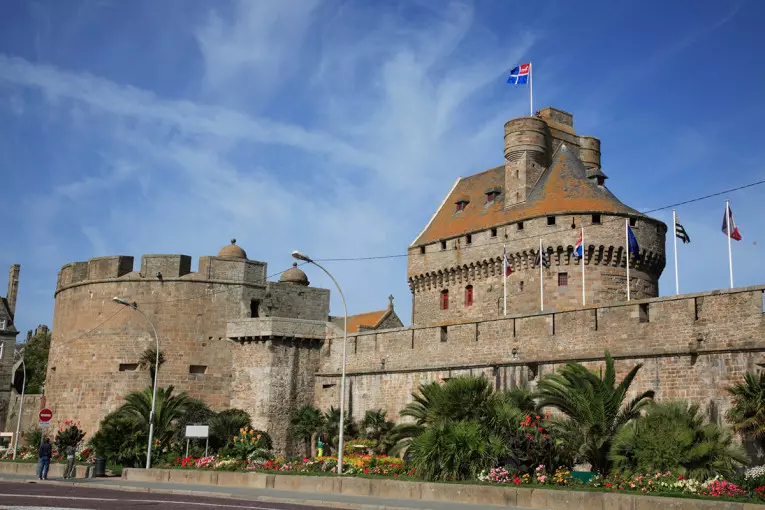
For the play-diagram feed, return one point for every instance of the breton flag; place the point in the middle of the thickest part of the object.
(545, 259)
(734, 233)
(578, 248)
(520, 74)
(506, 263)
(681, 233)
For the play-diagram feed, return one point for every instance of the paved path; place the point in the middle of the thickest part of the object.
(147, 492)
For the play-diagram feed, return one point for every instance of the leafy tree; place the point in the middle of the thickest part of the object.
(672, 436)
(149, 359)
(36, 360)
(227, 424)
(593, 404)
(122, 439)
(169, 408)
(332, 427)
(196, 412)
(747, 415)
(376, 426)
(69, 436)
(307, 422)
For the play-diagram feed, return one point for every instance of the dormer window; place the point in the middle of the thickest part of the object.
(461, 204)
(601, 181)
(491, 196)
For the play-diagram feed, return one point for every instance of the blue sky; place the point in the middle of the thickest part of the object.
(336, 127)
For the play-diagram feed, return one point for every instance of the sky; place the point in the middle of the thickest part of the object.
(337, 127)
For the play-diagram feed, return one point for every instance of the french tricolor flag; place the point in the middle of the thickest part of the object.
(578, 250)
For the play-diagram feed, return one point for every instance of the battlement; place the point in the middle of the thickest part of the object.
(160, 268)
(710, 322)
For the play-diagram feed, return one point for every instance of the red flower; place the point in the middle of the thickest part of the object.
(609, 485)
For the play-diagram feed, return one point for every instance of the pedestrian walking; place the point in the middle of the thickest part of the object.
(45, 452)
(69, 473)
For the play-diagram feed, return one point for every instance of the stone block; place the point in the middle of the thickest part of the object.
(395, 489)
(354, 486)
(471, 494)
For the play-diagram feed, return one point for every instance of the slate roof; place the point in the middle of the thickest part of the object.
(563, 188)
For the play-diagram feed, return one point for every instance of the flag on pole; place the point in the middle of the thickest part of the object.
(506, 263)
(734, 233)
(633, 244)
(519, 75)
(545, 259)
(680, 232)
(578, 248)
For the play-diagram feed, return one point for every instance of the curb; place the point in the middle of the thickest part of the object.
(224, 495)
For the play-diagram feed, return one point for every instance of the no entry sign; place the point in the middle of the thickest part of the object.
(46, 415)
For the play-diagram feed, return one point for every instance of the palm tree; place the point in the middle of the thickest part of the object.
(673, 436)
(593, 404)
(306, 424)
(168, 408)
(747, 415)
(149, 359)
(227, 424)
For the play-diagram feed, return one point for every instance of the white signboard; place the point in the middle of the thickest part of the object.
(197, 430)
(44, 424)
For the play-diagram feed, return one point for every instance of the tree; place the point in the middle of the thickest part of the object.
(672, 436)
(307, 422)
(121, 439)
(169, 408)
(149, 359)
(227, 424)
(35, 355)
(593, 404)
(747, 414)
(196, 412)
(332, 427)
(376, 426)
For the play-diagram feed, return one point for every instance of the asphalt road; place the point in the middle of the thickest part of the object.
(29, 496)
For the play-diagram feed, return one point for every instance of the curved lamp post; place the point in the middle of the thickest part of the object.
(134, 306)
(300, 256)
(21, 409)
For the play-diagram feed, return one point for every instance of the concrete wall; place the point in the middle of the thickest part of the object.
(692, 347)
(480, 264)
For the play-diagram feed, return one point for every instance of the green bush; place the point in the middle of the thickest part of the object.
(227, 424)
(122, 440)
(69, 436)
(673, 436)
(32, 437)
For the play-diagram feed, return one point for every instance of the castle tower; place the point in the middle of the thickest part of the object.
(13, 288)
(553, 187)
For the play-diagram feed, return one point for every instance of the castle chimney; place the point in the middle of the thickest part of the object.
(13, 288)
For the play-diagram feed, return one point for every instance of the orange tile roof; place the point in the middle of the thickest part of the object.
(563, 188)
(368, 319)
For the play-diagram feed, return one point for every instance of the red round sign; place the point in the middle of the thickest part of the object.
(46, 415)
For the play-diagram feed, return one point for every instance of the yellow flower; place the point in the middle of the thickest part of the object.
(258, 436)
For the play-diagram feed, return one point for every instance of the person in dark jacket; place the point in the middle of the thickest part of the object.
(46, 450)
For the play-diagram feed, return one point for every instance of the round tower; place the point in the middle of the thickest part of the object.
(527, 136)
(589, 152)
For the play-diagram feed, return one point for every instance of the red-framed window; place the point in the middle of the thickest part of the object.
(469, 296)
(445, 299)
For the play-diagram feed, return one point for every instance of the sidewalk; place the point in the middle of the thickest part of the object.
(252, 494)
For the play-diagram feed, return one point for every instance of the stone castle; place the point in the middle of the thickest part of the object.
(235, 339)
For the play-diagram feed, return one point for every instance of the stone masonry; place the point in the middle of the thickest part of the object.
(8, 334)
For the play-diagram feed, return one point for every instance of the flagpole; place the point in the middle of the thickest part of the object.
(674, 232)
(541, 282)
(504, 279)
(627, 247)
(730, 253)
(584, 298)
(531, 92)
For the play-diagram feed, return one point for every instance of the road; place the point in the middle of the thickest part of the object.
(29, 496)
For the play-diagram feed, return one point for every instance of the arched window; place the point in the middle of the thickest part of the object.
(468, 296)
(445, 299)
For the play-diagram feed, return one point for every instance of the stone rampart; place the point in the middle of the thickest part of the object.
(692, 346)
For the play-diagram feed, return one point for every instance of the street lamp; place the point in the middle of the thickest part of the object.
(300, 256)
(134, 306)
(21, 408)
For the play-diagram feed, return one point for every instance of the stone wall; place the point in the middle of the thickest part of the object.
(479, 264)
(692, 347)
(30, 412)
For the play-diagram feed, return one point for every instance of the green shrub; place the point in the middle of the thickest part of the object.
(673, 436)
(122, 440)
(71, 435)
(32, 437)
(227, 424)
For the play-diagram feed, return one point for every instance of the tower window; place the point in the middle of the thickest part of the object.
(468, 296)
(494, 232)
(520, 285)
(551, 220)
(520, 225)
(128, 367)
(633, 222)
(254, 308)
(461, 205)
(197, 369)
(596, 219)
(422, 250)
(601, 181)
(562, 279)
(445, 299)
(643, 313)
(469, 239)
(2, 325)
(443, 245)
